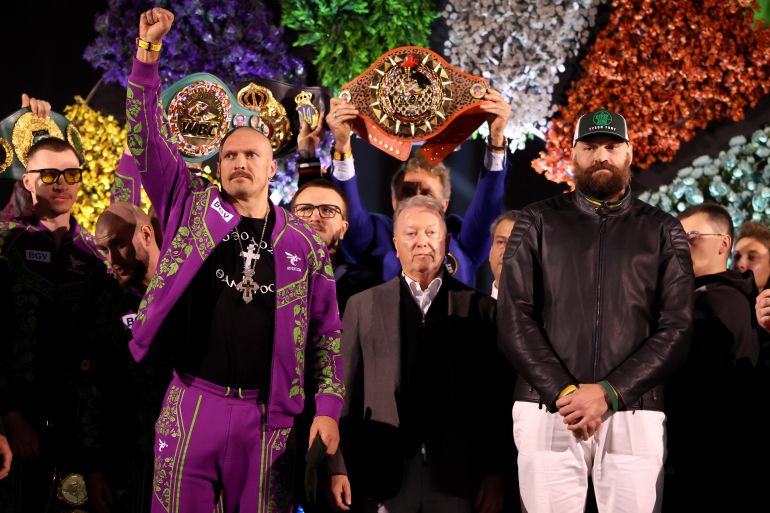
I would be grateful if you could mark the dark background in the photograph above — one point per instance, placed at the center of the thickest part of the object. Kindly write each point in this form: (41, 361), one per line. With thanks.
(44, 44)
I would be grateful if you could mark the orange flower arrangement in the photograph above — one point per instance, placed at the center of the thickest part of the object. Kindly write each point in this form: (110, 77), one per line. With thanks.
(669, 68)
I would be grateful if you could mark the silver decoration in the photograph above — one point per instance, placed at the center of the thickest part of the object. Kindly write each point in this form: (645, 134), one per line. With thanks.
(738, 179)
(521, 47)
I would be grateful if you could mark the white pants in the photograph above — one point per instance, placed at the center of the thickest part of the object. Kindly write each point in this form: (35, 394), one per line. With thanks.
(624, 459)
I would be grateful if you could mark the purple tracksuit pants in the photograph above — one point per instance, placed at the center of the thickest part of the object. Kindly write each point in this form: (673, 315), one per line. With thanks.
(214, 453)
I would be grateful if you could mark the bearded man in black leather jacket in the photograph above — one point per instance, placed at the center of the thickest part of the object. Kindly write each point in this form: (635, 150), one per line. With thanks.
(595, 311)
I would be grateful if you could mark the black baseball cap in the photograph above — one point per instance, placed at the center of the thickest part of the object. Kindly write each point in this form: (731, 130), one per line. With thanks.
(600, 121)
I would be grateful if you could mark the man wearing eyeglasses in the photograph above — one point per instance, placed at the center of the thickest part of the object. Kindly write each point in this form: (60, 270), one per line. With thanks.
(59, 295)
(322, 205)
(724, 352)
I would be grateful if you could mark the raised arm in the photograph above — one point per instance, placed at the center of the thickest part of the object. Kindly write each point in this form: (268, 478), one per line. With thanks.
(360, 234)
(487, 202)
(520, 334)
(164, 174)
(127, 185)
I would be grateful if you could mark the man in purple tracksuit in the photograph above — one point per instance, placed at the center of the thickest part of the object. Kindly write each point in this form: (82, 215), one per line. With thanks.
(239, 305)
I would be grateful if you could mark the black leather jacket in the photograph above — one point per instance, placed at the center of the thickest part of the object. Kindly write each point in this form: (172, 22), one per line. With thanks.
(591, 293)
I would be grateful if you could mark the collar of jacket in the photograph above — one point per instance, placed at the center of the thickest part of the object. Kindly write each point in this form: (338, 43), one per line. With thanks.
(593, 205)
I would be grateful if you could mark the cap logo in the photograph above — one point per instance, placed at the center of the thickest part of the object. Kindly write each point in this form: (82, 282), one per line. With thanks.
(602, 118)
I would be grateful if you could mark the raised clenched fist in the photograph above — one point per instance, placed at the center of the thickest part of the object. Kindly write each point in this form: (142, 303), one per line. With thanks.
(155, 24)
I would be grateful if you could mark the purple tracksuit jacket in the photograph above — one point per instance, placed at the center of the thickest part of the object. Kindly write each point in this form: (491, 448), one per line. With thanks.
(195, 218)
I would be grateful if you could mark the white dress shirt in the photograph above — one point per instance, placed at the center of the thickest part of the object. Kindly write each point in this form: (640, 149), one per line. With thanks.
(424, 298)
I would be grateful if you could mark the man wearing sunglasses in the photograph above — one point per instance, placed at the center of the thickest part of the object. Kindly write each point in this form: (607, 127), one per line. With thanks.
(59, 296)
(724, 351)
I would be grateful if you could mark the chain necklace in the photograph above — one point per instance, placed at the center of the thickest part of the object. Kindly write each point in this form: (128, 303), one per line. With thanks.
(247, 285)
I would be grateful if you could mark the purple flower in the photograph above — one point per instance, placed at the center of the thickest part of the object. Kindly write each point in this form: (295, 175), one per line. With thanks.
(234, 40)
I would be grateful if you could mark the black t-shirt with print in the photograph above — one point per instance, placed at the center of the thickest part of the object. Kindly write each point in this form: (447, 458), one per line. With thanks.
(215, 334)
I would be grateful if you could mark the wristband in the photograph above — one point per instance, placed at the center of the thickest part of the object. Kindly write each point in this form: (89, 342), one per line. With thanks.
(336, 155)
(498, 148)
(309, 165)
(611, 392)
(571, 389)
(146, 45)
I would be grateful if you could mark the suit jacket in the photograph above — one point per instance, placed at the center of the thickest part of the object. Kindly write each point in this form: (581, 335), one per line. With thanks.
(471, 436)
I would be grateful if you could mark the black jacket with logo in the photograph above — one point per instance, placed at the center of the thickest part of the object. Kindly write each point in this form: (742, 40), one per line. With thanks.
(590, 293)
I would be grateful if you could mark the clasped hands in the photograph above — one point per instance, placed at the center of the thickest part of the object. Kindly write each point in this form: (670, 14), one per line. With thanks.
(583, 410)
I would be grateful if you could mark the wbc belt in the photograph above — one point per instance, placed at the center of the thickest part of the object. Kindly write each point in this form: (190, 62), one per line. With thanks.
(411, 94)
(202, 109)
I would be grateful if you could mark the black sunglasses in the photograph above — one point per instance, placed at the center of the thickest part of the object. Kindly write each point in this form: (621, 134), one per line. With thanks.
(326, 211)
(71, 175)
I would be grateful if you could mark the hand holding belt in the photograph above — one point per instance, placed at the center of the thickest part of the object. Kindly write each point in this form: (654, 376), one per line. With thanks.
(412, 94)
(22, 129)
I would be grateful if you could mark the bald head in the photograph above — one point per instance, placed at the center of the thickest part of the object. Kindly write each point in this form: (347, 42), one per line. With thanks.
(250, 133)
(122, 213)
(246, 164)
(125, 234)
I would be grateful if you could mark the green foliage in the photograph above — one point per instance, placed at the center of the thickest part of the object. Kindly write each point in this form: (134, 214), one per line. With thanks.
(349, 35)
(763, 13)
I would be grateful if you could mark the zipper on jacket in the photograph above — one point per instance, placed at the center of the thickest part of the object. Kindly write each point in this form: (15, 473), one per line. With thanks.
(602, 212)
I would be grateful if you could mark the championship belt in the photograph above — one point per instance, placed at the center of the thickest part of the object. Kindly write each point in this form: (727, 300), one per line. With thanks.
(67, 494)
(201, 110)
(22, 129)
(411, 94)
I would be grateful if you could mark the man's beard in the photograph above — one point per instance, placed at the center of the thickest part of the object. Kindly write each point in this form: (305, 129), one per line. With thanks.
(605, 186)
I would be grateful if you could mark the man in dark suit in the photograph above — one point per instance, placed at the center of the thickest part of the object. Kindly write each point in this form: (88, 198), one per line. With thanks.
(425, 422)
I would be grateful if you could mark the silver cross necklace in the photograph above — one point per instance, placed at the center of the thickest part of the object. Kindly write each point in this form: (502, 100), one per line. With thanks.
(248, 286)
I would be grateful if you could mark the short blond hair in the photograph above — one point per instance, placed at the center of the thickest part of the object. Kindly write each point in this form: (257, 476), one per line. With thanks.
(425, 202)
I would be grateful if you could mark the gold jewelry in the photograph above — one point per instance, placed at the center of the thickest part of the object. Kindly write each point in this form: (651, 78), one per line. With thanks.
(147, 45)
(269, 116)
(27, 131)
(336, 155)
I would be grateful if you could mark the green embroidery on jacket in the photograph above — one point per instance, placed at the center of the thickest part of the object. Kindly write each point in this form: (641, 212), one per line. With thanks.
(134, 107)
(180, 250)
(324, 359)
(291, 292)
(204, 242)
(299, 334)
(122, 191)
